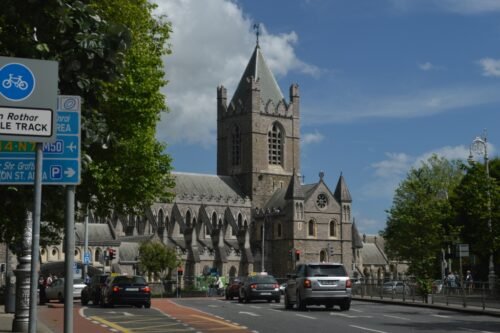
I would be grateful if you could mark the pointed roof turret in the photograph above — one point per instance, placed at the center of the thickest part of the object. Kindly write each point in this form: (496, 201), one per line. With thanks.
(258, 71)
(341, 191)
(294, 191)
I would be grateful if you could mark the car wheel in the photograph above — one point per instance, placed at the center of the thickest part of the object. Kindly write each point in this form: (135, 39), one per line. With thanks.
(345, 305)
(84, 300)
(96, 300)
(246, 298)
(60, 298)
(288, 305)
(301, 305)
(240, 299)
(147, 305)
(277, 300)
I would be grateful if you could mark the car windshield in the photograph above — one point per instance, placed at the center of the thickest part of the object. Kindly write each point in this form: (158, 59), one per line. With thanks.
(129, 280)
(77, 281)
(326, 270)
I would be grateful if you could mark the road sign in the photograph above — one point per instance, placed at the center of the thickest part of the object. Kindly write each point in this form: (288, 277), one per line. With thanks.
(462, 250)
(28, 97)
(86, 258)
(61, 158)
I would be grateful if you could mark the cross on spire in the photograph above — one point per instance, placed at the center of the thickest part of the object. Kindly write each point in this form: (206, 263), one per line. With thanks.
(256, 28)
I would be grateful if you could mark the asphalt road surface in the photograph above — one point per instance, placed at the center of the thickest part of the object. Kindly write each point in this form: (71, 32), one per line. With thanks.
(263, 317)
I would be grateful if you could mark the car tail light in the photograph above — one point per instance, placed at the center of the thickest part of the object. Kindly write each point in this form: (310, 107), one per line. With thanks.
(307, 283)
(146, 289)
(116, 289)
(276, 286)
(348, 283)
(253, 286)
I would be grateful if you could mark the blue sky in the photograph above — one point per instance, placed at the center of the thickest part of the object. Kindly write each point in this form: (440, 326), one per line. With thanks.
(384, 83)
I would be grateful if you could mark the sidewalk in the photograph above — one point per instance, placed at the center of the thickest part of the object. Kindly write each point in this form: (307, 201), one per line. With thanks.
(6, 320)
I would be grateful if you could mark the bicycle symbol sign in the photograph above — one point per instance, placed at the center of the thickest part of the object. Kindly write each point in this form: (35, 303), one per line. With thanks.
(17, 82)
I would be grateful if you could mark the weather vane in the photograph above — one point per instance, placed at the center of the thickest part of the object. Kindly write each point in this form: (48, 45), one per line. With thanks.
(256, 28)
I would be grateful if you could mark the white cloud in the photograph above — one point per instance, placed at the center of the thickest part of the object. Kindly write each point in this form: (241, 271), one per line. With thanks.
(315, 137)
(426, 66)
(211, 45)
(421, 103)
(491, 67)
(464, 7)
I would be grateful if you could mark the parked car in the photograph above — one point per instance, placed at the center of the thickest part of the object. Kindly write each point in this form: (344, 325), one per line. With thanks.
(318, 284)
(282, 288)
(233, 288)
(92, 291)
(395, 287)
(56, 290)
(437, 286)
(126, 290)
(260, 286)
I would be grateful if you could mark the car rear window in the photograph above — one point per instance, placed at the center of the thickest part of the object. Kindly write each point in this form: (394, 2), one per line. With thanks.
(129, 280)
(326, 270)
(263, 279)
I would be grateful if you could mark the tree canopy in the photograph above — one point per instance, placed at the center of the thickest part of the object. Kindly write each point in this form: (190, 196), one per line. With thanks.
(109, 53)
(156, 258)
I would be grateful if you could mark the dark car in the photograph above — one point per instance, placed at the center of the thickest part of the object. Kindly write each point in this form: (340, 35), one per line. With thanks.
(233, 288)
(92, 292)
(126, 290)
(260, 287)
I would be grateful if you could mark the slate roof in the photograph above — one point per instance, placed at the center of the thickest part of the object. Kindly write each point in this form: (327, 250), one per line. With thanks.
(257, 68)
(341, 191)
(98, 234)
(128, 251)
(372, 255)
(357, 242)
(208, 185)
(294, 190)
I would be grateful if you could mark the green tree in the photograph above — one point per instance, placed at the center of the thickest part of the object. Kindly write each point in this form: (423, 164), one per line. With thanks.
(109, 53)
(475, 202)
(418, 222)
(156, 259)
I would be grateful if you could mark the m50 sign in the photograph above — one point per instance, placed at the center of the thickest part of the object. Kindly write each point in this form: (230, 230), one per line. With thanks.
(61, 158)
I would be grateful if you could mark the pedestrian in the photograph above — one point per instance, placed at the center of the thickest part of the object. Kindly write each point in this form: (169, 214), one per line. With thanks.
(48, 281)
(469, 280)
(41, 287)
(451, 281)
(220, 286)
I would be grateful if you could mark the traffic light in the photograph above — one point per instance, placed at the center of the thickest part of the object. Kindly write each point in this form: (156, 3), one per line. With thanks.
(180, 271)
(290, 254)
(297, 255)
(112, 254)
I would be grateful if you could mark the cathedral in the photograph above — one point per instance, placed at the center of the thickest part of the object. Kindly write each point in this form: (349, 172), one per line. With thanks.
(255, 214)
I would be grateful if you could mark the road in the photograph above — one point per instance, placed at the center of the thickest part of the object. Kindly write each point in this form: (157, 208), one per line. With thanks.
(367, 317)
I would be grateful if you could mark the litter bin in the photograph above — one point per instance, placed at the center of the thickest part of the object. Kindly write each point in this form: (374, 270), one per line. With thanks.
(10, 294)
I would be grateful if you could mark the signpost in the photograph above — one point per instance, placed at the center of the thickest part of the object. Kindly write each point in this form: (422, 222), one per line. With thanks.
(61, 158)
(28, 98)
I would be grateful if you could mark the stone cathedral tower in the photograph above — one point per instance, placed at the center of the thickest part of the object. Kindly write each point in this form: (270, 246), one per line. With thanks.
(258, 132)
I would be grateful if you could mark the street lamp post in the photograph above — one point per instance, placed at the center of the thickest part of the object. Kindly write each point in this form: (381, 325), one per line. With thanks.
(480, 145)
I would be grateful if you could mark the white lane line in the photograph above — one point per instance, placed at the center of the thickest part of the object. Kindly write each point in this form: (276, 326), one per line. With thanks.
(304, 316)
(348, 316)
(255, 307)
(367, 329)
(275, 310)
(440, 316)
(249, 313)
(356, 310)
(212, 306)
(396, 317)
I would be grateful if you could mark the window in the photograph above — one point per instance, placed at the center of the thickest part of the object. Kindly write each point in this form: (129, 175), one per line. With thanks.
(275, 145)
(236, 146)
(310, 230)
(322, 201)
(333, 229)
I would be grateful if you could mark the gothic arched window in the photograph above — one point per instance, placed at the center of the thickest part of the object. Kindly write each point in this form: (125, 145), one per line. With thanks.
(275, 144)
(236, 146)
(333, 229)
(310, 229)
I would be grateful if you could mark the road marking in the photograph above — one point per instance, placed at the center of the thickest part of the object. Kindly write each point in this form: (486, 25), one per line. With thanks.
(127, 314)
(218, 321)
(249, 313)
(110, 324)
(304, 316)
(212, 306)
(396, 317)
(255, 307)
(440, 316)
(356, 310)
(367, 329)
(348, 316)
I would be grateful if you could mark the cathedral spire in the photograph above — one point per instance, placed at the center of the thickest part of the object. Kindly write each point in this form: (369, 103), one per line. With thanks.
(256, 28)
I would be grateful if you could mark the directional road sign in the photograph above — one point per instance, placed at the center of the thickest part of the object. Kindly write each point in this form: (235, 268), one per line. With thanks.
(86, 258)
(28, 95)
(61, 158)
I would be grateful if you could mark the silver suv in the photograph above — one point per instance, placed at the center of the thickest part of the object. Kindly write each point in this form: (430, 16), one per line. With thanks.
(318, 284)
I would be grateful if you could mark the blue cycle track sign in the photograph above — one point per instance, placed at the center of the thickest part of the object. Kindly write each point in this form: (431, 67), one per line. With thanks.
(17, 82)
(61, 158)
(28, 97)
